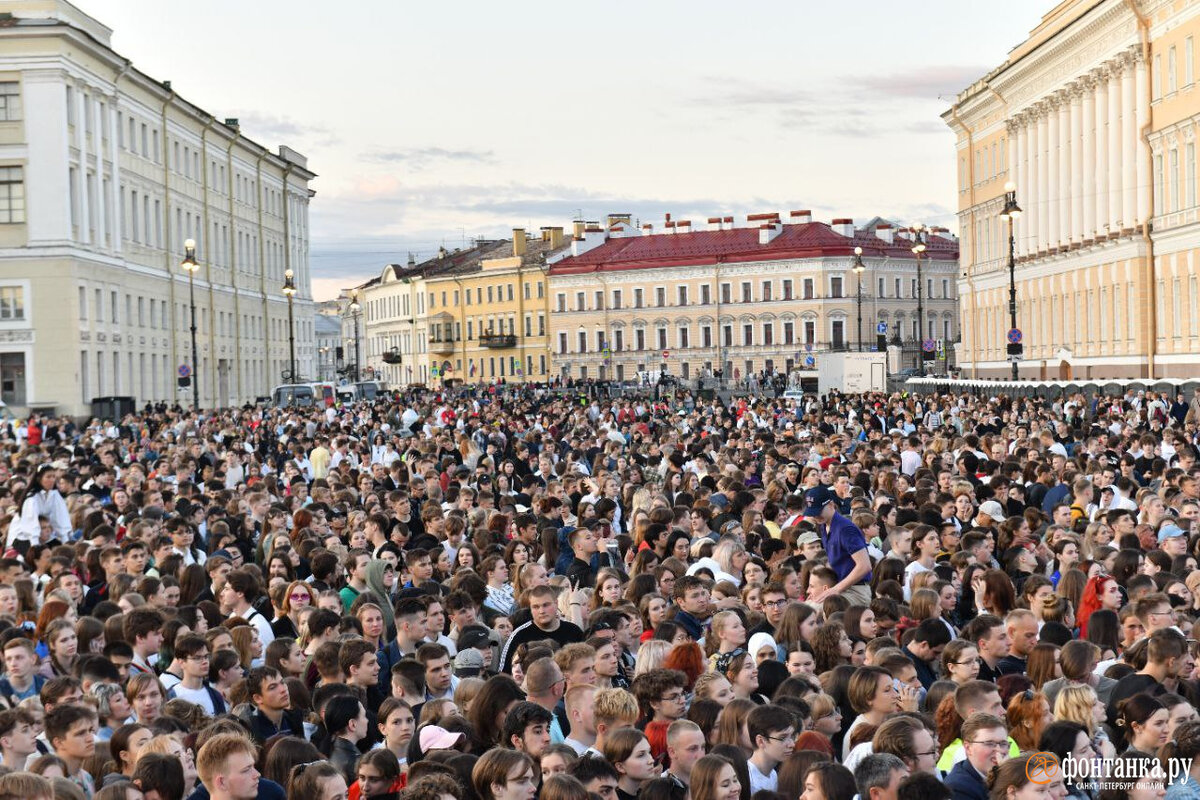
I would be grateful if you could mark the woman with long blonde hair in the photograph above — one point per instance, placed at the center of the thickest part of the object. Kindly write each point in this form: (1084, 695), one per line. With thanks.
(1081, 705)
(726, 634)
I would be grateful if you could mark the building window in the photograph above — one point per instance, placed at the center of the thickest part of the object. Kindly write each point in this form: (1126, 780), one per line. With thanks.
(12, 303)
(809, 289)
(12, 379)
(562, 302)
(12, 194)
(1175, 179)
(897, 295)
(1172, 79)
(1190, 173)
(662, 338)
(768, 333)
(835, 287)
(562, 341)
(639, 338)
(747, 334)
(839, 333)
(1156, 78)
(579, 301)
(618, 340)
(638, 298)
(766, 291)
(946, 287)
(810, 331)
(881, 285)
(599, 300)
(706, 336)
(1158, 181)
(705, 294)
(727, 335)
(10, 101)
(787, 289)
(726, 293)
(684, 338)
(583, 341)
(660, 296)
(616, 301)
(747, 292)
(683, 295)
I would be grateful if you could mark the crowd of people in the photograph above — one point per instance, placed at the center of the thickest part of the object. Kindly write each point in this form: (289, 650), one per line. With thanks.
(532, 591)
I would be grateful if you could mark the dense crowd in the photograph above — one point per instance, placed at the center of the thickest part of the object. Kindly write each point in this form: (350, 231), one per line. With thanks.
(524, 591)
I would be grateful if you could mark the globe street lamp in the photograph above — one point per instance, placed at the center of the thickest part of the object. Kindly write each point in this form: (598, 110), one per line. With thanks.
(355, 308)
(1011, 214)
(918, 250)
(289, 289)
(189, 264)
(859, 269)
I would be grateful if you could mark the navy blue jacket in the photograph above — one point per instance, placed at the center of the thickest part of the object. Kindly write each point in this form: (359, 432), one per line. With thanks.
(965, 783)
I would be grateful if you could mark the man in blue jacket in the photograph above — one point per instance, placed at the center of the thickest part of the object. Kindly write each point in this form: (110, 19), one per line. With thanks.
(985, 741)
(844, 544)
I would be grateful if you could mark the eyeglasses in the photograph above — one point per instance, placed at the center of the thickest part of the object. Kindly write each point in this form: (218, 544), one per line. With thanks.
(790, 737)
(775, 603)
(299, 596)
(674, 697)
(988, 745)
(927, 754)
(198, 659)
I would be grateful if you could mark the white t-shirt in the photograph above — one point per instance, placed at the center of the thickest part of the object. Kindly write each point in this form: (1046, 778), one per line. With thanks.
(758, 781)
(198, 696)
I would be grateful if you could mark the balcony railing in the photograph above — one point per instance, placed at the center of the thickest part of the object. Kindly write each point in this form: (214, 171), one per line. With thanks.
(392, 356)
(498, 340)
(442, 347)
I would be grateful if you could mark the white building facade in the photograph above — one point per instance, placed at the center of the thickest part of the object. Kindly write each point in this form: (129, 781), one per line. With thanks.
(104, 173)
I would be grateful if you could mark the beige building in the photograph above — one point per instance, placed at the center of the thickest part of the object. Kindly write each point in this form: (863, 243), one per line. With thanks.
(104, 172)
(1093, 119)
(766, 296)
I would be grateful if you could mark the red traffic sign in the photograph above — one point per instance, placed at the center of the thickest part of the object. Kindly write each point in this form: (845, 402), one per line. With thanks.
(1014, 336)
(666, 354)
(929, 345)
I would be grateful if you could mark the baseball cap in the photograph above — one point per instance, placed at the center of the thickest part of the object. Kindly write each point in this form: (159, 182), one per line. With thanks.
(808, 537)
(992, 509)
(468, 663)
(817, 499)
(434, 737)
(719, 500)
(1170, 531)
(473, 636)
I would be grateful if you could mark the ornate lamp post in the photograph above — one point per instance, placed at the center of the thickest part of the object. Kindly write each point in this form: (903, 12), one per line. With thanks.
(1011, 214)
(918, 250)
(859, 269)
(355, 309)
(289, 289)
(189, 264)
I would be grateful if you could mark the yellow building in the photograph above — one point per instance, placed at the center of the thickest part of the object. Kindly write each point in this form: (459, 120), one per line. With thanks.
(489, 321)
(1093, 120)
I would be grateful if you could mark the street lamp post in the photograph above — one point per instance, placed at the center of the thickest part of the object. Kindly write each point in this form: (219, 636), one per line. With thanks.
(189, 264)
(355, 308)
(322, 353)
(859, 269)
(1010, 214)
(289, 289)
(918, 249)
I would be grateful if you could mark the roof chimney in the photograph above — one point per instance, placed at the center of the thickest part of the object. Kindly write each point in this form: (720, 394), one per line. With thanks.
(768, 232)
(761, 218)
(577, 228)
(647, 229)
(668, 226)
(845, 227)
(556, 237)
(593, 236)
(800, 217)
(518, 242)
(714, 223)
(886, 232)
(683, 226)
(728, 223)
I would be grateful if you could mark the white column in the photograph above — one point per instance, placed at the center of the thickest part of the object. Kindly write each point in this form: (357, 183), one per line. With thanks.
(98, 167)
(1019, 135)
(81, 173)
(1129, 150)
(1076, 168)
(1064, 171)
(1116, 173)
(1138, 153)
(1100, 152)
(1043, 181)
(114, 198)
(1087, 194)
(1029, 189)
(1053, 187)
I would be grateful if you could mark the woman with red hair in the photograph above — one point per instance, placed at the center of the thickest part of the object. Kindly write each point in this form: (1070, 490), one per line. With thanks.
(1101, 591)
(688, 658)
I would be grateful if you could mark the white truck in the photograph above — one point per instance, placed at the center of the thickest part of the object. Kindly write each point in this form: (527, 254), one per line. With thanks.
(851, 372)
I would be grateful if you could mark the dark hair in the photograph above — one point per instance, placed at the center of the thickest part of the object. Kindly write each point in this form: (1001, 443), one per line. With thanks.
(340, 711)
(837, 782)
(161, 772)
(521, 717)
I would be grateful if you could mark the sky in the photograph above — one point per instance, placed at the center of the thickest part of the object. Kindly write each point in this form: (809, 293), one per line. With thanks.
(431, 124)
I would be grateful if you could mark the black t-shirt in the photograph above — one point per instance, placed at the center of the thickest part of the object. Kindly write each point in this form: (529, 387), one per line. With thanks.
(565, 633)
